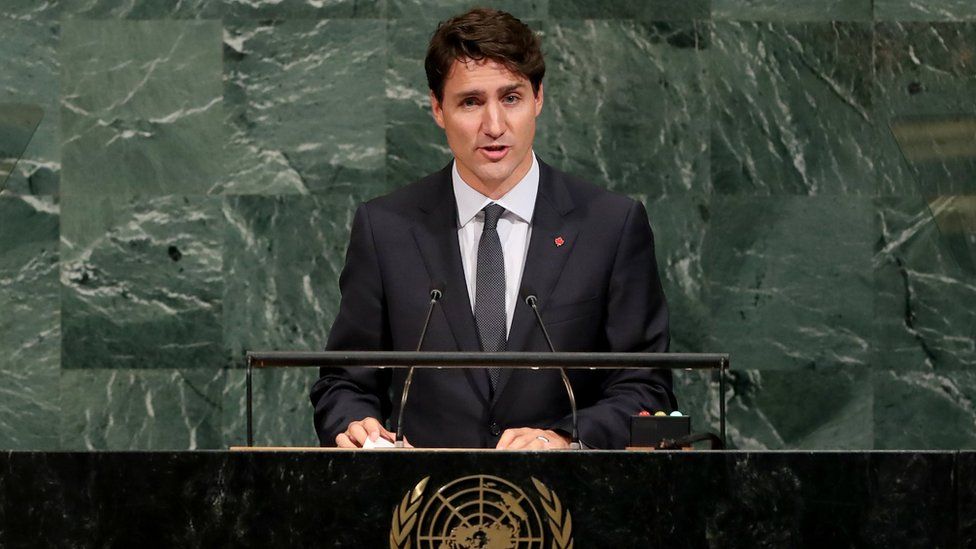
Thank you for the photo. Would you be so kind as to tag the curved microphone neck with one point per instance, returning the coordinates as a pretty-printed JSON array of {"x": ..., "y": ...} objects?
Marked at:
[
  {"x": 532, "y": 301},
  {"x": 435, "y": 295}
]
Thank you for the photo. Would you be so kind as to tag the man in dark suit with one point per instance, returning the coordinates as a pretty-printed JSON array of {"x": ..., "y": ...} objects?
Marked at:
[{"x": 493, "y": 222}]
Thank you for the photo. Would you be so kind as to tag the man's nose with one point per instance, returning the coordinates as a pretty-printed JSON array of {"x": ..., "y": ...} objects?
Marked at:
[{"x": 494, "y": 121}]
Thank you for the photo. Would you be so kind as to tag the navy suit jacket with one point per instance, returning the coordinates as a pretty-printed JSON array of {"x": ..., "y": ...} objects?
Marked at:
[{"x": 598, "y": 291}]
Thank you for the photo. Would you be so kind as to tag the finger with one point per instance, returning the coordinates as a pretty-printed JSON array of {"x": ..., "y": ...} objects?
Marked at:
[
  {"x": 525, "y": 441},
  {"x": 555, "y": 440},
  {"x": 357, "y": 433},
  {"x": 388, "y": 435},
  {"x": 504, "y": 443},
  {"x": 538, "y": 440},
  {"x": 373, "y": 426},
  {"x": 516, "y": 443},
  {"x": 541, "y": 442},
  {"x": 342, "y": 441},
  {"x": 374, "y": 429}
]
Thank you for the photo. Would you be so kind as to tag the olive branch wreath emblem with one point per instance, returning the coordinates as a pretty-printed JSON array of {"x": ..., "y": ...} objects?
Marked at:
[
  {"x": 560, "y": 522},
  {"x": 405, "y": 516}
]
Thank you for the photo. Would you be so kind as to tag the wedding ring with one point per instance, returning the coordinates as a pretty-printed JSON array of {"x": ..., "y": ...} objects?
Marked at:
[{"x": 543, "y": 439}]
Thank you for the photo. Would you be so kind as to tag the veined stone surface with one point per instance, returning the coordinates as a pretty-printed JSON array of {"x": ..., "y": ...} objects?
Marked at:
[
  {"x": 830, "y": 408},
  {"x": 655, "y": 10},
  {"x": 121, "y": 409},
  {"x": 925, "y": 72},
  {"x": 791, "y": 109},
  {"x": 415, "y": 146},
  {"x": 282, "y": 409},
  {"x": 789, "y": 281},
  {"x": 774, "y": 410},
  {"x": 924, "y": 314},
  {"x": 620, "y": 499},
  {"x": 927, "y": 10},
  {"x": 138, "y": 9},
  {"x": 142, "y": 283},
  {"x": 282, "y": 259},
  {"x": 30, "y": 328},
  {"x": 141, "y": 107},
  {"x": 680, "y": 225},
  {"x": 627, "y": 105},
  {"x": 302, "y": 9},
  {"x": 698, "y": 394},
  {"x": 190, "y": 9},
  {"x": 925, "y": 409},
  {"x": 31, "y": 9},
  {"x": 305, "y": 107},
  {"x": 29, "y": 74},
  {"x": 429, "y": 12},
  {"x": 792, "y": 10}
]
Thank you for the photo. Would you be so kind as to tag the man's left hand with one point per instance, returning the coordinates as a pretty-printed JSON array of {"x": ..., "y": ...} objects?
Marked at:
[{"x": 526, "y": 438}]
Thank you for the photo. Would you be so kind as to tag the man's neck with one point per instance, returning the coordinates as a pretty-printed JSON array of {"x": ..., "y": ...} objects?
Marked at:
[{"x": 496, "y": 189}]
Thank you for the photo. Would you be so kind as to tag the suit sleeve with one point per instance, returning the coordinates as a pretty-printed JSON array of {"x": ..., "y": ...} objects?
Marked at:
[
  {"x": 636, "y": 321},
  {"x": 343, "y": 395}
]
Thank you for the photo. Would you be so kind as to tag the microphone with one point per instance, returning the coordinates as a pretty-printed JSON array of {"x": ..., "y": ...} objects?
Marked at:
[
  {"x": 436, "y": 293},
  {"x": 532, "y": 301}
]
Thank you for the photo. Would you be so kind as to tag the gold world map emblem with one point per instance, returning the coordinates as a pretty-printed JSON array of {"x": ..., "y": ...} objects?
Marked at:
[{"x": 482, "y": 512}]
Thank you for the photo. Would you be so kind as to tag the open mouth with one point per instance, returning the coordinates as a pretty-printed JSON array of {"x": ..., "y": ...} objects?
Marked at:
[{"x": 495, "y": 152}]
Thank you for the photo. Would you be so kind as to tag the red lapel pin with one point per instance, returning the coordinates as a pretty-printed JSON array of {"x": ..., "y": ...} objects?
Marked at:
[{"x": 559, "y": 241}]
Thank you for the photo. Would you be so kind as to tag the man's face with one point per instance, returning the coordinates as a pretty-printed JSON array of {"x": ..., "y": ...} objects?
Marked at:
[{"x": 488, "y": 113}]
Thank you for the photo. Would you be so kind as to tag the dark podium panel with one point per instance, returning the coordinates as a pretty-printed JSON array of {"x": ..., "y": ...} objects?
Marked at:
[{"x": 604, "y": 499}]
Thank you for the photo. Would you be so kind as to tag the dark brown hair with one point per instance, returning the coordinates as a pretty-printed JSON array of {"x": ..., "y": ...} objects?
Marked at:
[{"x": 483, "y": 33}]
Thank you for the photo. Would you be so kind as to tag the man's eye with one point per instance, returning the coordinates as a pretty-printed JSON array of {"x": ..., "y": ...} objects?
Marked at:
[
  {"x": 469, "y": 102},
  {"x": 511, "y": 98}
]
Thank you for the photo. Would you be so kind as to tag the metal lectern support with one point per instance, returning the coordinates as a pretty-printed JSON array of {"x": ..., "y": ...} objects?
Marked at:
[
  {"x": 250, "y": 427},
  {"x": 504, "y": 359},
  {"x": 721, "y": 401}
]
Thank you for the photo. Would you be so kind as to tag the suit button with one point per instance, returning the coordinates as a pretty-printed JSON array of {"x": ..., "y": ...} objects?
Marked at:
[{"x": 495, "y": 429}]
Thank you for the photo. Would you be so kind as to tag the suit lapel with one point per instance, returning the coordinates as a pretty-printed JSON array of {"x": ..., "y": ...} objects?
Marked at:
[
  {"x": 436, "y": 236},
  {"x": 545, "y": 259}
]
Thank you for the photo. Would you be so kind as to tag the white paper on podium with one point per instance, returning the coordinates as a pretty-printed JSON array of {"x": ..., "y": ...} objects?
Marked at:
[{"x": 380, "y": 444}]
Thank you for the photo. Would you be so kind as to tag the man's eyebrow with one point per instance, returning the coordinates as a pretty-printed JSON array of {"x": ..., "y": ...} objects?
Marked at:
[
  {"x": 477, "y": 92},
  {"x": 470, "y": 93},
  {"x": 509, "y": 89}
]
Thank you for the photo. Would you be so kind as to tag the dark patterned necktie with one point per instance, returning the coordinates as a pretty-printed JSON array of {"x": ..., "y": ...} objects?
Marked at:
[{"x": 489, "y": 301}]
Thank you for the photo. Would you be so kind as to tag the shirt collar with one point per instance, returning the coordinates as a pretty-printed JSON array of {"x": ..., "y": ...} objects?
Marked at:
[{"x": 520, "y": 200}]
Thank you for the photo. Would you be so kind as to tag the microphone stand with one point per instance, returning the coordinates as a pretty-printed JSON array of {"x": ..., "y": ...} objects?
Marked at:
[
  {"x": 435, "y": 296},
  {"x": 574, "y": 444}
]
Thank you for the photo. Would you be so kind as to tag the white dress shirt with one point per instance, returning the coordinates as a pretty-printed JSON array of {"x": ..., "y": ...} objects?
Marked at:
[{"x": 514, "y": 229}]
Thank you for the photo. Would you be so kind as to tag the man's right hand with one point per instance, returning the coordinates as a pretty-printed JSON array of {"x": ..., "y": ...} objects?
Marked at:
[{"x": 358, "y": 431}]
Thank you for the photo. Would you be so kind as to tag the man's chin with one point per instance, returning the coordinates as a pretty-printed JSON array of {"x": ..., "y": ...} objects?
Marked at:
[{"x": 494, "y": 177}]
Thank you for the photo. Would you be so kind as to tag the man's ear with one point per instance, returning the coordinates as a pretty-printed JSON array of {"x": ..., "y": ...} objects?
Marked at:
[
  {"x": 437, "y": 110},
  {"x": 538, "y": 100}
]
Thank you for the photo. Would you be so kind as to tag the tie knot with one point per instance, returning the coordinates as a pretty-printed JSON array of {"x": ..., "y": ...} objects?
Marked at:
[{"x": 492, "y": 213}]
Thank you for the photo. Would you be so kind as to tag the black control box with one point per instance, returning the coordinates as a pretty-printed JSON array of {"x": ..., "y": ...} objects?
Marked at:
[{"x": 649, "y": 431}]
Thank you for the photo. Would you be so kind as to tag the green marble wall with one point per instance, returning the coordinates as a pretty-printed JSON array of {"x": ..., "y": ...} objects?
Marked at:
[{"x": 188, "y": 192}]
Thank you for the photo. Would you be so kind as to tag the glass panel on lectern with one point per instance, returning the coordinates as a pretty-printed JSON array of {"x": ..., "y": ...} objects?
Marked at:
[
  {"x": 940, "y": 152},
  {"x": 18, "y": 122}
]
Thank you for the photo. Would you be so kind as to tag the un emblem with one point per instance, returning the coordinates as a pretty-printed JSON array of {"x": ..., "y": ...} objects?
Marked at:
[{"x": 483, "y": 512}]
